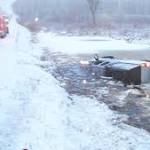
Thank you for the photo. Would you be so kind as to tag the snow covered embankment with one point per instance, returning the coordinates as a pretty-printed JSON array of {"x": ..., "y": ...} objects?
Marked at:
[{"x": 35, "y": 113}]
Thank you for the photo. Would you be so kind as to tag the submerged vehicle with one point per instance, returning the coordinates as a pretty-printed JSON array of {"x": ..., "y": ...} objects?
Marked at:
[
  {"x": 3, "y": 26},
  {"x": 129, "y": 72}
]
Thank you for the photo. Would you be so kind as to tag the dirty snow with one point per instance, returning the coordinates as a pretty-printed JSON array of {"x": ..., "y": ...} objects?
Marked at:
[{"x": 36, "y": 113}]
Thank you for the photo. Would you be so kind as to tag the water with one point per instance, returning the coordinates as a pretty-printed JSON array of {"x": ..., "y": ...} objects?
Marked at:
[{"x": 81, "y": 81}]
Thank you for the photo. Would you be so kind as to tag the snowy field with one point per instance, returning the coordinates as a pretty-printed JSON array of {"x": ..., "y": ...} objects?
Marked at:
[
  {"x": 87, "y": 45},
  {"x": 37, "y": 114}
]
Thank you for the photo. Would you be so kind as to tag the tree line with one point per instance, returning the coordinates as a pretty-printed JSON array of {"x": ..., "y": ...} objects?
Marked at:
[{"x": 82, "y": 11}]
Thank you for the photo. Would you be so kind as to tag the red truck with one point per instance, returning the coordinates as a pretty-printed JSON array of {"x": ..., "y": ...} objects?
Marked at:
[{"x": 3, "y": 27}]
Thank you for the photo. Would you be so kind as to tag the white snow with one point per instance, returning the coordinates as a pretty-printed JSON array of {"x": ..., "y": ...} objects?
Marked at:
[
  {"x": 37, "y": 114},
  {"x": 85, "y": 44}
]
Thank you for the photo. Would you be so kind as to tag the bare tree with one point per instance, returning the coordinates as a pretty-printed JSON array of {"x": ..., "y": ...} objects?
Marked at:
[{"x": 93, "y": 6}]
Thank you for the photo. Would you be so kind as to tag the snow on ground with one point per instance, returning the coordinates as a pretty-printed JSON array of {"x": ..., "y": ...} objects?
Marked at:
[
  {"x": 36, "y": 113},
  {"x": 85, "y": 44}
]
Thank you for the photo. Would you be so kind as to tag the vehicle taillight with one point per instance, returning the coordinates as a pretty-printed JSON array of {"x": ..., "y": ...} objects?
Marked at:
[
  {"x": 143, "y": 65},
  {"x": 146, "y": 65},
  {"x": 82, "y": 62}
]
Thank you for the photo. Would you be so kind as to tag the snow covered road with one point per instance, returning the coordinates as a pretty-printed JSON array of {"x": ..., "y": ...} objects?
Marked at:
[{"x": 37, "y": 114}]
